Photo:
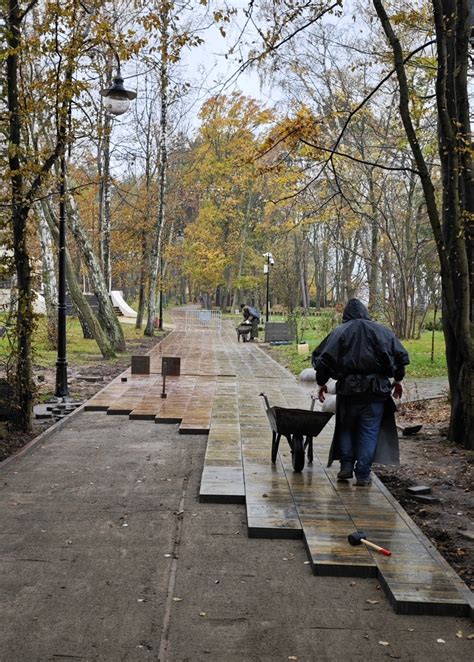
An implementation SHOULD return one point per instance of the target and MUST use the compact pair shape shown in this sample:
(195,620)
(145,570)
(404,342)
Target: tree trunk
(452,236)
(156,257)
(75,291)
(303,266)
(50,288)
(106,315)
(374,303)
(23,382)
(104,204)
(141,286)
(452,36)
(23,193)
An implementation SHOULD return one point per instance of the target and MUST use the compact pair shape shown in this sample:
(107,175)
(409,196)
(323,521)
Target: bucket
(303,348)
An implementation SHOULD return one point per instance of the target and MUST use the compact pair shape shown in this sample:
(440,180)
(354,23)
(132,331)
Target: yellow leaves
(285,138)
(304,124)
(221,16)
(351,223)
(413,18)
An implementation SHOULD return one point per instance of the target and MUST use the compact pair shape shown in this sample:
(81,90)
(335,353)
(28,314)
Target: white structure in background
(119,302)
(39,305)
(6,282)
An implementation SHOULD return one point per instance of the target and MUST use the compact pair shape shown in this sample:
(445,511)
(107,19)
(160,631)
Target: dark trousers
(360,426)
(254,331)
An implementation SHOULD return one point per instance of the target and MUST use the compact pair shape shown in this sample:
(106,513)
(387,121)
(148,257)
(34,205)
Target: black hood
(355,310)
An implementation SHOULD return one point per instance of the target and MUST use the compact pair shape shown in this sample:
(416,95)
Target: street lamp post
(116,101)
(266,269)
(62,390)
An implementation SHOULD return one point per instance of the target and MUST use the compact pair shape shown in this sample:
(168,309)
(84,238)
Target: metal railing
(204,319)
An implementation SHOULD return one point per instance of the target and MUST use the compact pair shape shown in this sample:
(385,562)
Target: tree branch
(404,60)
(357,160)
(28,8)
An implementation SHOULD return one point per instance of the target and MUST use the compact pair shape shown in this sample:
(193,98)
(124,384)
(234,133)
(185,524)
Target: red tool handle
(372,545)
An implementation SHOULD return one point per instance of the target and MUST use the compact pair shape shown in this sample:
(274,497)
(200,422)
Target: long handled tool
(359,537)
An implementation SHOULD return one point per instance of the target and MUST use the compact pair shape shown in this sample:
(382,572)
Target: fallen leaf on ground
(178,599)
(384,643)
(440,641)
(459,634)
(202,613)
(373,602)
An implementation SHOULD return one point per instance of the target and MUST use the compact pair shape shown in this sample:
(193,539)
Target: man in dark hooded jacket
(362,356)
(253,316)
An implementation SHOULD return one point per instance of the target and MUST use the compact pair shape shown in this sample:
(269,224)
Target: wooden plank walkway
(222,478)
(217,394)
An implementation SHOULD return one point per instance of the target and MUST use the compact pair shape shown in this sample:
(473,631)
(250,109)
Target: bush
(432,325)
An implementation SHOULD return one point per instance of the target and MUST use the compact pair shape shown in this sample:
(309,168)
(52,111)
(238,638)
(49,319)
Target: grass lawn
(314,329)
(79,350)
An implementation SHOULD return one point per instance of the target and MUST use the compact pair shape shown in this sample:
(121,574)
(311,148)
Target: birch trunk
(106,315)
(104,204)
(145,259)
(141,290)
(156,257)
(75,290)
(50,287)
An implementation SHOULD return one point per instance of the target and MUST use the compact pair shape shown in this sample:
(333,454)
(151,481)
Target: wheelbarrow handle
(264,396)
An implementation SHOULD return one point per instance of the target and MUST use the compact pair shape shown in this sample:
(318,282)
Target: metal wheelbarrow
(299,426)
(243,331)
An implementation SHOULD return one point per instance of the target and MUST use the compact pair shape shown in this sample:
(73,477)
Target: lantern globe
(117,98)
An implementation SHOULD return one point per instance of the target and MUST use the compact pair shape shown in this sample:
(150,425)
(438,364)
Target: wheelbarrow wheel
(308,444)
(297,454)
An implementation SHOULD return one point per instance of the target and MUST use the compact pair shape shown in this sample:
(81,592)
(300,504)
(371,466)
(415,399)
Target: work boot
(363,483)
(345,473)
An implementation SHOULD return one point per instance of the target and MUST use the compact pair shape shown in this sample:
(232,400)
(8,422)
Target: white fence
(203,319)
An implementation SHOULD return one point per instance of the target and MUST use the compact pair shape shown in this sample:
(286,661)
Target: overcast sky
(212,72)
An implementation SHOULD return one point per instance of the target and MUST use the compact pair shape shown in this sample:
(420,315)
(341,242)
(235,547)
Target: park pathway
(217,394)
